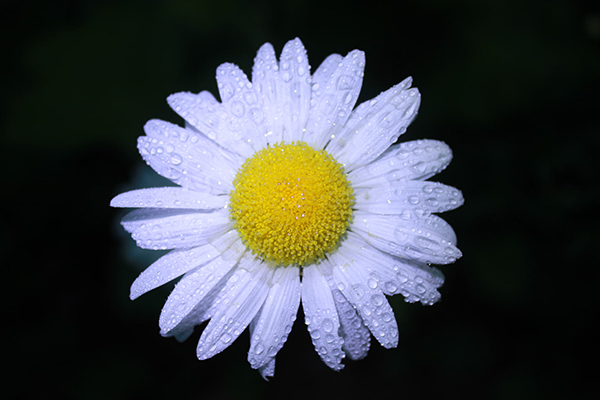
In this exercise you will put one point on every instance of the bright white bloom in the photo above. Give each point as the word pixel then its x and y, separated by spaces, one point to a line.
pixel 286 195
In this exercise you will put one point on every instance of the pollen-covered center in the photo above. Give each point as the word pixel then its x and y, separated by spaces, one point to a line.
pixel 291 204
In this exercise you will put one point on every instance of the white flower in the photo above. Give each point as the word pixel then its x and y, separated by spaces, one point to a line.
pixel 288 194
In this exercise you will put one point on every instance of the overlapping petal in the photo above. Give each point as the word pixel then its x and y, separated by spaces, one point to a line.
pixel 362 291
pixel 415 281
pixel 334 93
pixel 242 297
pixel 171 266
pixel 243 127
pixel 356 336
pixel 375 125
pixel 415 160
pixel 271 326
pixel 321 317
pixel 209 117
pixel 427 239
pixel 187 158
pixel 428 197
pixel 193 296
pixel 161 229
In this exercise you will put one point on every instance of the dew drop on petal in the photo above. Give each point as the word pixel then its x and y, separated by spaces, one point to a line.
pixel 327 325
pixel 176 159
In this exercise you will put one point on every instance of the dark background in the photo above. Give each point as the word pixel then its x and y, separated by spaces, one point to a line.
pixel 512 86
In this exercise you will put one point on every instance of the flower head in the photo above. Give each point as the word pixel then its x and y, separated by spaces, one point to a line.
pixel 289 194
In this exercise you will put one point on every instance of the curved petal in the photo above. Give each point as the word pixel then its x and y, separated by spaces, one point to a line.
pixel 429 197
pixel 375 125
pixel 270 327
pixel 243 296
pixel 321 317
pixel 187 158
pixel 415 281
pixel 415 160
pixel 353 331
pixel 205 114
pixel 268 370
pixel 170 197
pixel 325 71
pixel 293 89
pixel 171 266
pixel 161 229
pixel 192 296
pixel 427 239
pixel 352 279
pixel 244 121
pixel 265 78
pixel 333 97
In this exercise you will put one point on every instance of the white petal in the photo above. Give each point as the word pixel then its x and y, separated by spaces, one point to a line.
pixel 229 244
pixel 429 197
pixel 321 317
pixel 333 97
pixel 362 291
pixel 415 160
pixel 170 266
pixel 155 228
pixel 187 158
pixel 326 70
pixel 243 295
pixel 293 89
pixel 375 125
pixel 170 197
pixel 206 115
pixel 353 331
pixel 245 118
pixel 427 239
pixel 416 281
pixel 192 296
pixel 270 328
pixel 265 78
pixel 268 370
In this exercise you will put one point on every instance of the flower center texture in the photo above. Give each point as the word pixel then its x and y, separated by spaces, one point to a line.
pixel 291 204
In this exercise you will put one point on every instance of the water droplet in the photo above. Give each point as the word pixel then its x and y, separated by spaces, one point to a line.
pixel 414 200
pixel 391 286
pixel 377 299
pixel 372 283
pixel 176 159
pixel 226 338
pixel 359 290
pixel 327 325
pixel 348 98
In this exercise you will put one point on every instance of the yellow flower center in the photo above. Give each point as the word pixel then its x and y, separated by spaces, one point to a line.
pixel 291 204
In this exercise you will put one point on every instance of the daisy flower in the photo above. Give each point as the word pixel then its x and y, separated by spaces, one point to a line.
pixel 288 194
